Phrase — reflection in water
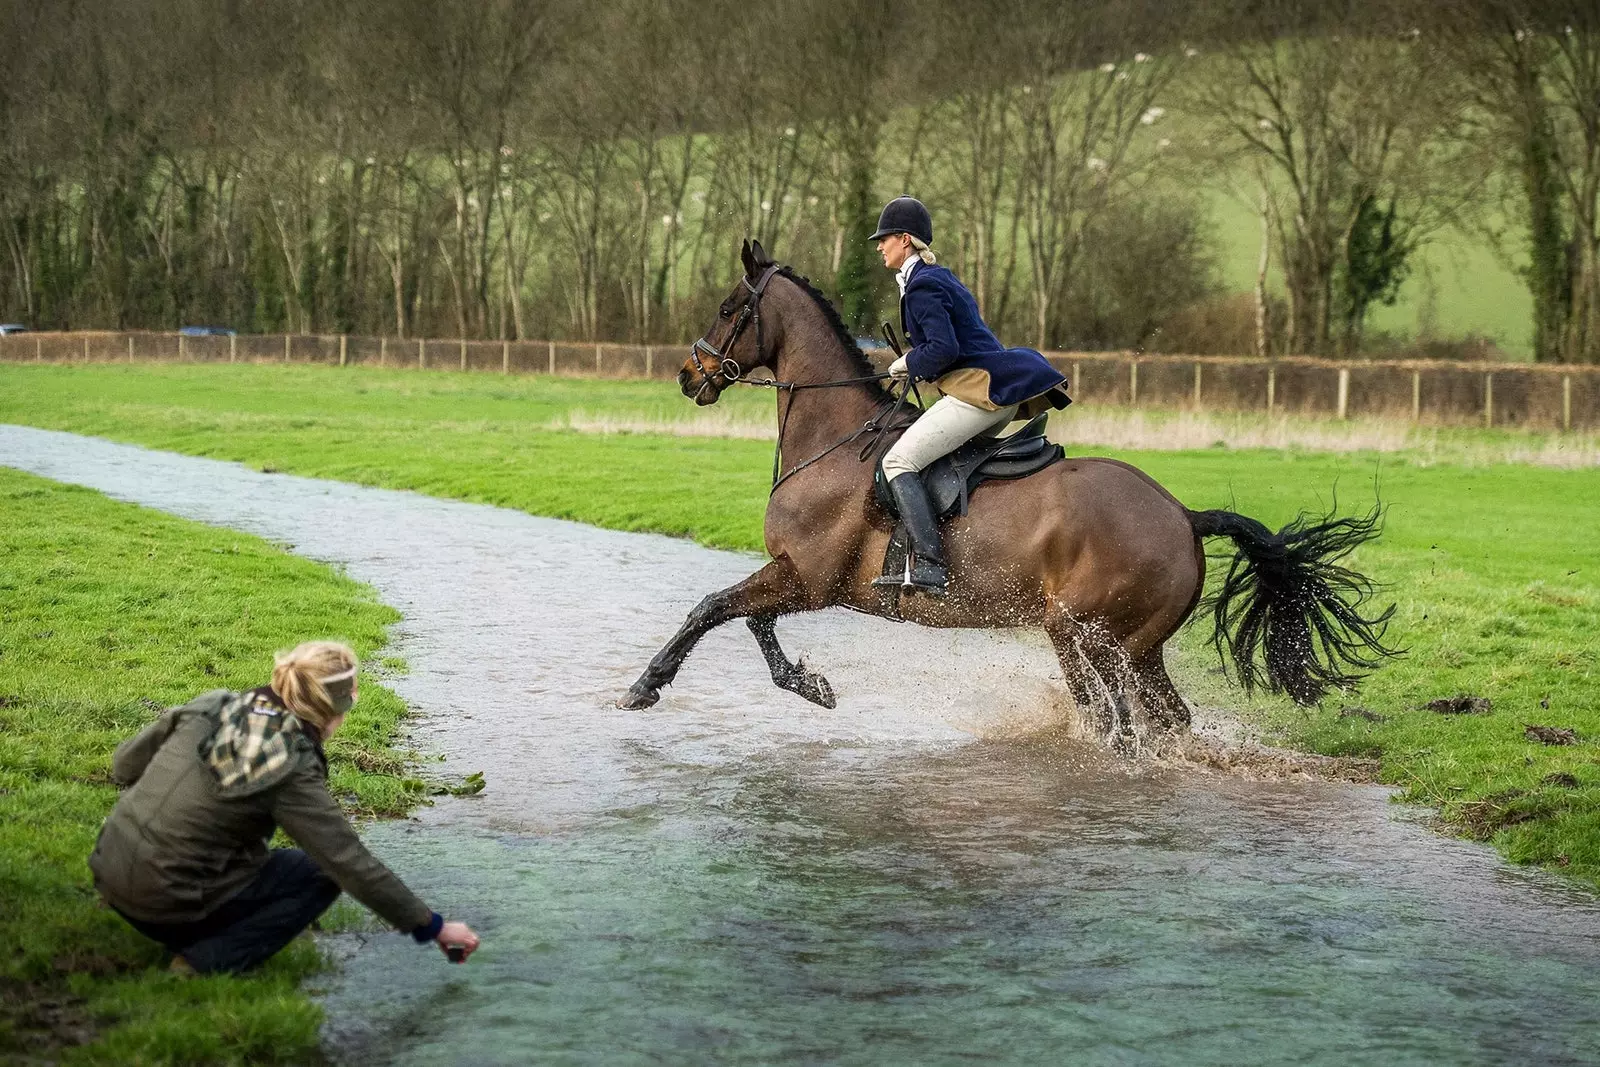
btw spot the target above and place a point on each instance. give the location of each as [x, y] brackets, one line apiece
[919, 876]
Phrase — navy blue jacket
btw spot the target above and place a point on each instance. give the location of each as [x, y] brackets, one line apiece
[941, 320]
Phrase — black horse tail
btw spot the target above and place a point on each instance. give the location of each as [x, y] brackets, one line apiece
[1287, 614]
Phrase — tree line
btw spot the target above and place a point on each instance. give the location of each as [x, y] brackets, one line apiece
[552, 168]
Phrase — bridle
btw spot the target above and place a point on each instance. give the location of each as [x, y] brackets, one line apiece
[732, 374]
[749, 310]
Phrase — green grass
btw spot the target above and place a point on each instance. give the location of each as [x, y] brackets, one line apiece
[1493, 568]
[109, 612]
[1457, 287]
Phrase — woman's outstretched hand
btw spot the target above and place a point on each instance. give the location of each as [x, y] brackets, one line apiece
[457, 941]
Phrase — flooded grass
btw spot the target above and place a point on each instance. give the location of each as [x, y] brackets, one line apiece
[1492, 565]
[108, 613]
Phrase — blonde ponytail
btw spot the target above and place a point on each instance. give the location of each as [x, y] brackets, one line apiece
[924, 253]
[302, 676]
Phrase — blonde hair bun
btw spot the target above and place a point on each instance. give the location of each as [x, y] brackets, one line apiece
[298, 678]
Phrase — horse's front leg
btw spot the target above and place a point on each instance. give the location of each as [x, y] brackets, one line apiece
[770, 591]
[795, 677]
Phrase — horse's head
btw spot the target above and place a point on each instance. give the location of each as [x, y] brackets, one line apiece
[736, 343]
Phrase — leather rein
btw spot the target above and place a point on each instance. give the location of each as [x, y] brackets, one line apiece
[732, 374]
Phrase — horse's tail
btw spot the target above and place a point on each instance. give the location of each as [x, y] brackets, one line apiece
[1287, 614]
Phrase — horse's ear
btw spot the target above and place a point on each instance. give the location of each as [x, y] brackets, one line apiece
[759, 255]
[748, 260]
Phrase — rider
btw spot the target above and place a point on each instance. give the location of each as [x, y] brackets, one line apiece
[984, 384]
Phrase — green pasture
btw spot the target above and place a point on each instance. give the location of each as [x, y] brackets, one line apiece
[108, 613]
[1457, 287]
[1492, 567]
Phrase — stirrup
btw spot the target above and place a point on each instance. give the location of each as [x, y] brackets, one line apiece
[905, 583]
[886, 581]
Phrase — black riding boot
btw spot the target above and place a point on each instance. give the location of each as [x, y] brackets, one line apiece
[927, 552]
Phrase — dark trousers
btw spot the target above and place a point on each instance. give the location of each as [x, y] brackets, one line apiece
[253, 924]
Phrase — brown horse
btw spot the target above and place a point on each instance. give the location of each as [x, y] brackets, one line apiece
[1108, 562]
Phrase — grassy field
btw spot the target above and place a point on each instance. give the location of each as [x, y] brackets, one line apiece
[1457, 287]
[1493, 566]
[108, 613]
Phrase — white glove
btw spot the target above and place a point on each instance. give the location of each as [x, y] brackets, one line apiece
[899, 370]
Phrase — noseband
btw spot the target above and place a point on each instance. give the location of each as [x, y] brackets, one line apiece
[728, 369]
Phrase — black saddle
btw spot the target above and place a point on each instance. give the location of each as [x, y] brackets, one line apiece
[951, 479]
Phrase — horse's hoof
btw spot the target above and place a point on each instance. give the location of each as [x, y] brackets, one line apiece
[815, 688]
[639, 697]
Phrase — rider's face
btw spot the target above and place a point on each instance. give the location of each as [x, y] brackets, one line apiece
[894, 249]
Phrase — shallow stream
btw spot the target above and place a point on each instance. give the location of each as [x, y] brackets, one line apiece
[924, 875]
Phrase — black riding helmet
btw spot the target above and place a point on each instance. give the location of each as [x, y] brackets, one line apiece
[905, 214]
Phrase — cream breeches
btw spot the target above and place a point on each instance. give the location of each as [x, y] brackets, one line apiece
[944, 427]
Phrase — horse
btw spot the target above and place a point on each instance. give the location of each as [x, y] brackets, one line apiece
[1093, 551]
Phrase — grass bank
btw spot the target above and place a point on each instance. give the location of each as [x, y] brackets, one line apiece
[108, 613]
[1493, 567]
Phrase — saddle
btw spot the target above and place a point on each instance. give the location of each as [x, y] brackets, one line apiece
[951, 479]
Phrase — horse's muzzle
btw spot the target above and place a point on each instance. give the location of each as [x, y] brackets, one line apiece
[697, 387]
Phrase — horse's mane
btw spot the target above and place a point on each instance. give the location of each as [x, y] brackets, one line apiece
[858, 358]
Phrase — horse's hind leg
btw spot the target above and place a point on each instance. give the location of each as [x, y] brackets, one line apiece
[1162, 701]
[795, 677]
[1096, 671]
[769, 591]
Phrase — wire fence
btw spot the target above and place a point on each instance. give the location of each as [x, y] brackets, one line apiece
[1534, 396]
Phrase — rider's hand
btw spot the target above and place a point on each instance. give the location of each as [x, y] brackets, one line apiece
[899, 369]
[457, 935]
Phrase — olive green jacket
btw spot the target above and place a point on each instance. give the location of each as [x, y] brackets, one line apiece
[177, 844]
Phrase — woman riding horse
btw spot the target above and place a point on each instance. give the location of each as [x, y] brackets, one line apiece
[984, 384]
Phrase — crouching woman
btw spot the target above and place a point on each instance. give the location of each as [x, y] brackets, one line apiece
[183, 855]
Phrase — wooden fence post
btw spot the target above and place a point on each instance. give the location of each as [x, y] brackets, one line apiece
[183, 354]
[1197, 366]
[1416, 396]
[505, 356]
[383, 349]
[1488, 399]
[463, 353]
[233, 348]
[1272, 386]
[86, 348]
[422, 353]
[343, 349]
[1344, 392]
[38, 349]
[597, 347]
[286, 347]
[130, 348]
[1566, 401]
[552, 345]
[1133, 383]
[1076, 378]
[649, 354]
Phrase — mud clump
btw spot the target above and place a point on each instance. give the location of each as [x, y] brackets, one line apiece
[1549, 735]
[1461, 704]
[1562, 779]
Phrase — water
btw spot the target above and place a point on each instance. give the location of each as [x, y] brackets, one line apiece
[927, 874]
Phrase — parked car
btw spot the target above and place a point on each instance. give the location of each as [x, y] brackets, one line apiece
[8, 328]
[207, 331]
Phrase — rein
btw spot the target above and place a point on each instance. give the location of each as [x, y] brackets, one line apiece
[732, 374]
